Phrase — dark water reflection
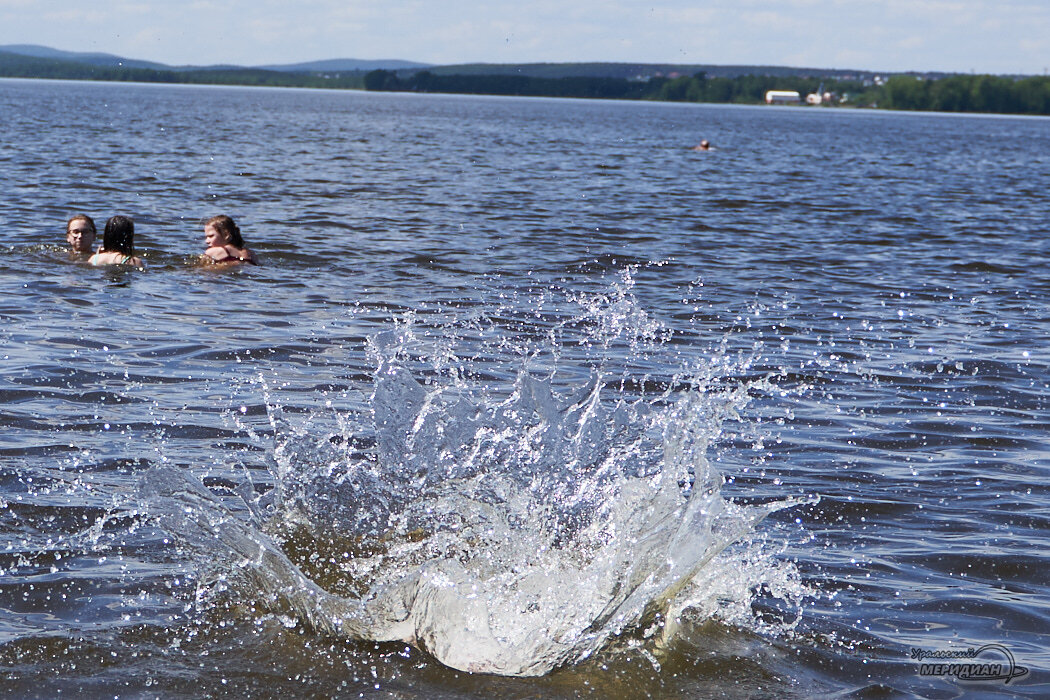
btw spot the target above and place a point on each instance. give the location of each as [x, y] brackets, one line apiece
[890, 269]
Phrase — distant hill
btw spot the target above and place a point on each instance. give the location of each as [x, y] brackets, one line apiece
[93, 59]
[336, 65]
[14, 65]
[642, 71]
[628, 71]
[106, 60]
[627, 81]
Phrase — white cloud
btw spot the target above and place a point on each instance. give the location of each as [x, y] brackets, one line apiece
[73, 16]
[953, 35]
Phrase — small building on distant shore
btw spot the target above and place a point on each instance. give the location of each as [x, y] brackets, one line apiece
[783, 97]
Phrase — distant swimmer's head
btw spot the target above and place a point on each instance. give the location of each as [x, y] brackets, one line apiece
[119, 236]
[81, 233]
[704, 145]
[220, 231]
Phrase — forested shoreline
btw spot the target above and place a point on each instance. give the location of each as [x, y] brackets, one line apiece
[956, 93]
[952, 93]
[18, 66]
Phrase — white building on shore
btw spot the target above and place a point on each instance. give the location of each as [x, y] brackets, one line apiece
[783, 97]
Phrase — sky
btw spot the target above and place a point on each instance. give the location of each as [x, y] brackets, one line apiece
[963, 36]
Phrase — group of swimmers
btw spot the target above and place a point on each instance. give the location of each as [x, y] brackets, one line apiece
[222, 237]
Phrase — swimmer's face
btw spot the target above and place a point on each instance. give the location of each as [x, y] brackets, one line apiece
[80, 236]
[215, 238]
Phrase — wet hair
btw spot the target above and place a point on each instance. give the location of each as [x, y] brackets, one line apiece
[224, 224]
[119, 236]
[85, 217]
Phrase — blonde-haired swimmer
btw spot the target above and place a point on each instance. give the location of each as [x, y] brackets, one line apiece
[224, 242]
[81, 233]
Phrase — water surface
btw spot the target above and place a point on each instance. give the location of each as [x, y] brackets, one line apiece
[527, 398]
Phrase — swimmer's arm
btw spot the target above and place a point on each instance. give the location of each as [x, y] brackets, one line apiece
[214, 253]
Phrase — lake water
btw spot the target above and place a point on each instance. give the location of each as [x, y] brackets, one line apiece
[526, 399]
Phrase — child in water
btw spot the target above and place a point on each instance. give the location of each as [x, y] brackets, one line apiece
[118, 244]
[80, 233]
[223, 242]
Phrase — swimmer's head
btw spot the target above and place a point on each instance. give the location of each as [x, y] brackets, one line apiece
[228, 232]
[81, 233]
[119, 235]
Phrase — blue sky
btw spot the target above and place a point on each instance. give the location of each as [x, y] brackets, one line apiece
[984, 36]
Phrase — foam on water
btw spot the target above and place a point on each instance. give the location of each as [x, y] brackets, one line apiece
[505, 526]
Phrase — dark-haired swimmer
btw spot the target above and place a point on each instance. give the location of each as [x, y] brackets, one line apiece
[81, 233]
[118, 244]
[224, 242]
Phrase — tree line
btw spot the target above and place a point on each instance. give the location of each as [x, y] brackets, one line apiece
[969, 93]
[953, 93]
[17, 66]
[517, 85]
[956, 93]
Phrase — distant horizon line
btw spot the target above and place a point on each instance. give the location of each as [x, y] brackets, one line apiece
[45, 51]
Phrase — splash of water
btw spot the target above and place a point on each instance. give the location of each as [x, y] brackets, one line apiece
[505, 528]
